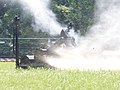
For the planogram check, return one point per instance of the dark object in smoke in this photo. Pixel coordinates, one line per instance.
(38, 59)
(35, 61)
(70, 26)
(24, 59)
(40, 54)
(67, 39)
(63, 34)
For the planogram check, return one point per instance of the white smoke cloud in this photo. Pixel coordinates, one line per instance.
(45, 19)
(100, 49)
(106, 30)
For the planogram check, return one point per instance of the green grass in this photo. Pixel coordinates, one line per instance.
(49, 79)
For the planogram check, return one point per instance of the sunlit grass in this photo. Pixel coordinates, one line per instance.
(55, 79)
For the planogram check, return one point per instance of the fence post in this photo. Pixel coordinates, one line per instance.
(16, 19)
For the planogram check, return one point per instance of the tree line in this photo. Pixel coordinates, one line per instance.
(80, 12)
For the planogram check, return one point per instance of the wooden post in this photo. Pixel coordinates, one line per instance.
(16, 19)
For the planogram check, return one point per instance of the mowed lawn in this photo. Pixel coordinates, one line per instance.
(55, 79)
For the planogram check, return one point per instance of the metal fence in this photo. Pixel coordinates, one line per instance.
(26, 45)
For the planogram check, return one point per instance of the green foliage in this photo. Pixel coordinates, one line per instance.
(80, 12)
(6, 49)
(49, 79)
(7, 12)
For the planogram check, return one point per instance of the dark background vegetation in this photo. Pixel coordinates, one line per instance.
(80, 12)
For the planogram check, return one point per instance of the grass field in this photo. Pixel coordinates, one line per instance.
(49, 79)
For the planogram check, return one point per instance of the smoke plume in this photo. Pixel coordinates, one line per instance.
(45, 19)
(100, 49)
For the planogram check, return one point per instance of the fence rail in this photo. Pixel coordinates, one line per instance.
(26, 45)
(27, 38)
